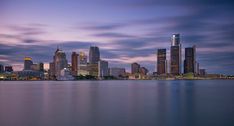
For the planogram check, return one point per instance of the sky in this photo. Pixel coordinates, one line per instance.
(126, 31)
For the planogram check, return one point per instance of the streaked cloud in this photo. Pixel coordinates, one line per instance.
(126, 30)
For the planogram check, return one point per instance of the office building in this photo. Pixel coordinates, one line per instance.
(60, 61)
(82, 59)
(94, 55)
(102, 68)
(175, 59)
(143, 71)
(93, 69)
(34, 67)
(27, 63)
(8, 69)
(37, 67)
(161, 61)
(117, 72)
(74, 63)
(52, 71)
(135, 68)
(30, 75)
(190, 60)
(83, 69)
(65, 74)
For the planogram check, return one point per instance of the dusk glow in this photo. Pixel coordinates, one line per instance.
(126, 31)
(116, 62)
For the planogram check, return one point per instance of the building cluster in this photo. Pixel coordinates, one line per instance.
(6, 73)
(138, 72)
(31, 71)
(91, 66)
(191, 66)
(59, 69)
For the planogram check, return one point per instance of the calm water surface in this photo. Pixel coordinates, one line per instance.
(117, 103)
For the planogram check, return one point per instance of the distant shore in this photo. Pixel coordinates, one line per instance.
(132, 79)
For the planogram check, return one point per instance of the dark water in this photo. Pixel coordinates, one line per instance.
(117, 103)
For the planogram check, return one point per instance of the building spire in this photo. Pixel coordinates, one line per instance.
(57, 49)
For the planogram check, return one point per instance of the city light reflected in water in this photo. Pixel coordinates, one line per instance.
(116, 103)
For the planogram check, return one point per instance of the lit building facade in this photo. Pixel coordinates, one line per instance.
(27, 63)
(161, 61)
(82, 64)
(30, 75)
(82, 58)
(65, 74)
(83, 69)
(93, 69)
(175, 57)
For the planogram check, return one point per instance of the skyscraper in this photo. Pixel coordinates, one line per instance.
(190, 60)
(60, 61)
(93, 69)
(82, 58)
(175, 64)
(74, 60)
(161, 61)
(143, 71)
(82, 64)
(94, 55)
(175, 40)
(52, 71)
(27, 63)
(135, 68)
(102, 68)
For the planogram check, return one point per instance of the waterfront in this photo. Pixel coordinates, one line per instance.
(117, 103)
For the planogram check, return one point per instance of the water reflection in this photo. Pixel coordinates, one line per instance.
(115, 103)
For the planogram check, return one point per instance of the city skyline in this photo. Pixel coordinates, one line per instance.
(97, 67)
(134, 34)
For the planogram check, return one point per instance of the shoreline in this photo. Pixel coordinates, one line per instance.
(128, 80)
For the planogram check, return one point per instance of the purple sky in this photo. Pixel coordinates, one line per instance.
(126, 31)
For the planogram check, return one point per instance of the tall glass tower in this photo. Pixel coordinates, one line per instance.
(190, 60)
(94, 55)
(60, 61)
(28, 63)
(176, 59)
(162, 61)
